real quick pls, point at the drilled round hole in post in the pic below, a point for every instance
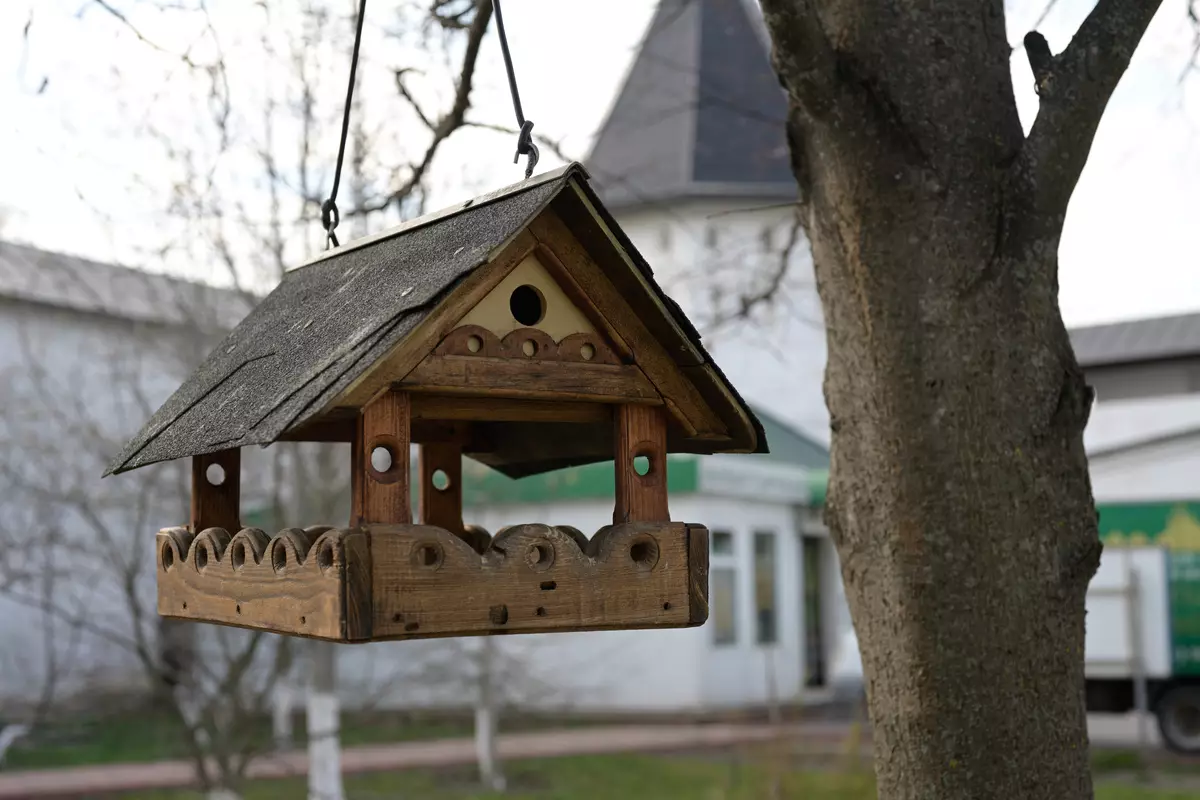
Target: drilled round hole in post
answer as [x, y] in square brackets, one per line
[587, 351]
[527, 305]
[529, 348]
[325, 557]
[237, 555]
[440, 480]
[279, 557]
[214, 474]
[381, 459]
[541, 612]
[474, 344]
[168, 558]
[428, 555]
[540, 556]
[642, 465]
[644, 553]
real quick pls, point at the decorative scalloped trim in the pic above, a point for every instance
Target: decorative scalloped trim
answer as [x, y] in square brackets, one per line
[291, 548]
[475, 340]
[214, 548]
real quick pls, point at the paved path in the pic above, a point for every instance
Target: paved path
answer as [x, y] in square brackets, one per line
[77, 782]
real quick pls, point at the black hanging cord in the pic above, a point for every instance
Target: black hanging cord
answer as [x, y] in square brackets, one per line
[329, 210]
[525, 145]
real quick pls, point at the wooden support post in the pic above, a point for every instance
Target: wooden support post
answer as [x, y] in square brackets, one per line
[382, 440]
[641, 433]
[440, 494]
[216, 491]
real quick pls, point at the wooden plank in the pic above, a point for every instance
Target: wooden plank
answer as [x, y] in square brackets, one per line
[356, 585]
[641, 433]
[383, 495]
[741, 436]
[698, 563]
[567, 256]
[444, 318]
[501, 377]
[216, 490]
[440, 495]
[298, 582]
[499, 409]
[533, 579]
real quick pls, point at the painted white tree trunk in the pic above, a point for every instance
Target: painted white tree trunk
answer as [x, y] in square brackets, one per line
[487, 703]
[324, 743]
[283, 702]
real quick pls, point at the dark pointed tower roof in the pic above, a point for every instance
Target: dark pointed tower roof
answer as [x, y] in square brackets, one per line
[700, 114]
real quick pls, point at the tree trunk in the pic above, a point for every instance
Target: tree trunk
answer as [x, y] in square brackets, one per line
[324, 744]
[487, 702]
[959, 496]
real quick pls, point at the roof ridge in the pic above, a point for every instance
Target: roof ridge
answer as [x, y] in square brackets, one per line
[560, 173]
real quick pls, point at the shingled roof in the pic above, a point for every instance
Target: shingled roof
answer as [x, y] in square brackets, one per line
[333, 318]
[1139, 340]
[700, 114]
[81, 284]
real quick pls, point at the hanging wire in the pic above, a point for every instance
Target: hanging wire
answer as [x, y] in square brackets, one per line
[329, 210]
[525, 145]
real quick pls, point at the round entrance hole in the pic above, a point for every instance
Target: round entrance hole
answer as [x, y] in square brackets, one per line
[641, 465]
[527, 305]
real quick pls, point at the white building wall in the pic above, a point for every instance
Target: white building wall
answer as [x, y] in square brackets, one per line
[1164, 472]
[72, 387]
[708, 255]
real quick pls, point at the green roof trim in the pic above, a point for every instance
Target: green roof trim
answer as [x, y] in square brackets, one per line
[818, 486]
[484, 486]
[788, 445]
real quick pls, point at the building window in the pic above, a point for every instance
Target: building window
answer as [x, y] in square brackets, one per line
[722, 543]
[764, 588]
[722, 593]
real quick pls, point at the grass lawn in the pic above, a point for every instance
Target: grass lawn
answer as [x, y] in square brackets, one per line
[620, 776]
[148, 735]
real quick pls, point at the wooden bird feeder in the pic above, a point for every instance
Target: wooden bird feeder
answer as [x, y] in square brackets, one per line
[521, 329]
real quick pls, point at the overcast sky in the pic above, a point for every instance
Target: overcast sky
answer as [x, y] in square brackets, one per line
[1129, 248]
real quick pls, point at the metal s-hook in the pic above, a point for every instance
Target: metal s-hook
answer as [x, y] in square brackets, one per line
[525, 145]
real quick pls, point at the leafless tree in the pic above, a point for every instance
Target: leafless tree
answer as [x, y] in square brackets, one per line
[241, 186]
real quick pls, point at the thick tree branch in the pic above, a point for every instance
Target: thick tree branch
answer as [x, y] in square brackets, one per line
[802, 54]
[1074, 88]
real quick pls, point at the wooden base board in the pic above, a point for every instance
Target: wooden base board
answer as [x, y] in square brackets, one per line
[383, 582]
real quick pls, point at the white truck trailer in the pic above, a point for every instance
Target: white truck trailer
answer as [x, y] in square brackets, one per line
[1143, 639]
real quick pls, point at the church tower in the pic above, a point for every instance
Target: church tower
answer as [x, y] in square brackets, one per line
[693, 160]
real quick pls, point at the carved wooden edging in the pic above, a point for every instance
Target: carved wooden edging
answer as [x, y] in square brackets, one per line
[418, 581]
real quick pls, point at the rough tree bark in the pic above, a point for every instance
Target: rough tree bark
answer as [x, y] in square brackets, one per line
[959, 496]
